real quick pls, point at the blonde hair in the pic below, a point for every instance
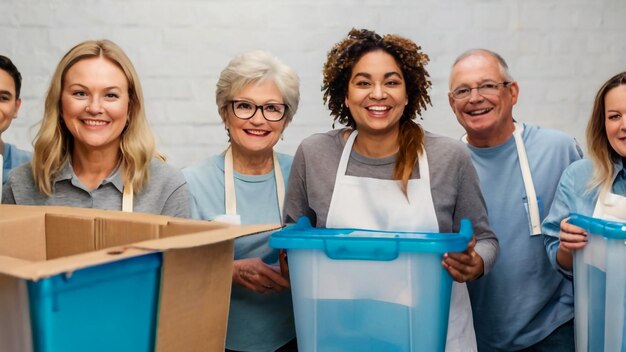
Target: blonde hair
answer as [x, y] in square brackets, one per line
[601, 153]
[256, 67]
[54, 143]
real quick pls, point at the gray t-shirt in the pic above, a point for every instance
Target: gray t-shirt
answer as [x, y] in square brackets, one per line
[454, 184]
[165, 193]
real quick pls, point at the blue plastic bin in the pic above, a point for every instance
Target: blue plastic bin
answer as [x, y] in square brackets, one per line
[600, 286]
[109, 307]
[362, 290]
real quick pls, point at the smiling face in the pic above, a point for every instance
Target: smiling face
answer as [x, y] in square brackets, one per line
[9, 103]
[487, 119]
[95, 104]
[615, 118]
[255, 136]
[376, 93]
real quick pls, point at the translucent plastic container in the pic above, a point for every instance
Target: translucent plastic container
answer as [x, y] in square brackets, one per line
[361, 290]
[109, 307]
[600, 286]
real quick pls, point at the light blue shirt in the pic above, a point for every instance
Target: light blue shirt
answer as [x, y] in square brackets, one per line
[13, 157]
[256, 322]
[573, 196]
[522, 300]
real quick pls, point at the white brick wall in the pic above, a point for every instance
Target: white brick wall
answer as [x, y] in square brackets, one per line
[560, 51]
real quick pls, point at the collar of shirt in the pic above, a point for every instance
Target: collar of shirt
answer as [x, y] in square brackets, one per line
[67, 173]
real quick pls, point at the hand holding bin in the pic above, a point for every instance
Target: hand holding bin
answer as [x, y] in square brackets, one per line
[600, 285]
[364, 290]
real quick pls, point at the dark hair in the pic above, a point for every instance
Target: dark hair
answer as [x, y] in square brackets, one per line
[600, 151]
[7, 65]
[411, 60]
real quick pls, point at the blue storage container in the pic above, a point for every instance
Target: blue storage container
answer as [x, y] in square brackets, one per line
[363, 290]
[600, 286]
[109, 307]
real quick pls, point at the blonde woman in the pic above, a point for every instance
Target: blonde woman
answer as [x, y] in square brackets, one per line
[94, 148]
[595, 187]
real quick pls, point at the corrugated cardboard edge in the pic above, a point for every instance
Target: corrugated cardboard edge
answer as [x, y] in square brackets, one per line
[204, 237]
[40, 270]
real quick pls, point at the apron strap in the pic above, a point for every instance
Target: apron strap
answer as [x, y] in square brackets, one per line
[531, 195]
[345, 156]
[229, 183]
[280, 186]
[127, 198]
[230, 197]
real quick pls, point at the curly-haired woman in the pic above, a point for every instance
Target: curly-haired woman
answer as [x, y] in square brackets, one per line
[383, 171]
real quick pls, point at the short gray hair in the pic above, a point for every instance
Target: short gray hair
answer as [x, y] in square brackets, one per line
[504, 68]
[254, 67]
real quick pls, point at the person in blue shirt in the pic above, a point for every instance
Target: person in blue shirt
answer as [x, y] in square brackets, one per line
[257, 96]
[595, 186]
[522, 304]
[10, 86]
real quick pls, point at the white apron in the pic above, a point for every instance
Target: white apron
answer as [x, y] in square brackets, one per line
[374, 204]
[230, 198]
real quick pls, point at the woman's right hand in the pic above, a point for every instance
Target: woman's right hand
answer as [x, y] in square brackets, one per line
[255, 275]
[571, 238]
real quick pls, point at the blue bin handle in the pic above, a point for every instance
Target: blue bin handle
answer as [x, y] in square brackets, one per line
[605, 228]
[580, 221]
[466, 231]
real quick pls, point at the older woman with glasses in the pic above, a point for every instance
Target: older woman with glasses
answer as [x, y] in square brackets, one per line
[257, 96]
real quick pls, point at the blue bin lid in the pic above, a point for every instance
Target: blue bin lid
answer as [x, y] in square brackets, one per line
[368, 244]
[605, 228]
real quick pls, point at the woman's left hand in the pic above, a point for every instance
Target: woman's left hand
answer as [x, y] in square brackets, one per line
[464, 266]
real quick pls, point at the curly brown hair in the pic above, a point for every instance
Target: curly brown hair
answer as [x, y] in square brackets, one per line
[411, 60]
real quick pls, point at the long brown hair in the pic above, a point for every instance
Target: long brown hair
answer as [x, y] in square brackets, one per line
[601, 153]
[411, 60]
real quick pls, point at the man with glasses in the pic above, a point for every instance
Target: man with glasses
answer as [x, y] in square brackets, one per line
[522, 304]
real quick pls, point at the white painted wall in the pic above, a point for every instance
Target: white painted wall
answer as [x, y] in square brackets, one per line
[560, 51]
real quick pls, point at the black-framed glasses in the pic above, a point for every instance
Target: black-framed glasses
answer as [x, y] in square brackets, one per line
[483, 89]
[244, 110]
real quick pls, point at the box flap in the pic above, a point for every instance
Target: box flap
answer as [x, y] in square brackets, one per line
[63, 240]
[184, 226]
[203, 276]
[117, 232]
[40, 270]
[205, 237]
[21, 236]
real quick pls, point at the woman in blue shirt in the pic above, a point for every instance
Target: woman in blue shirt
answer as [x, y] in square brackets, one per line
[595, 187]
[257, 97]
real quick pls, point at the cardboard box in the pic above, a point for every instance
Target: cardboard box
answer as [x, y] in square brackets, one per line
[194, 260]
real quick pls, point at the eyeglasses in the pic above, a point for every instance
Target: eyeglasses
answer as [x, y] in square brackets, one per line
[483, 89]
[271, 112]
